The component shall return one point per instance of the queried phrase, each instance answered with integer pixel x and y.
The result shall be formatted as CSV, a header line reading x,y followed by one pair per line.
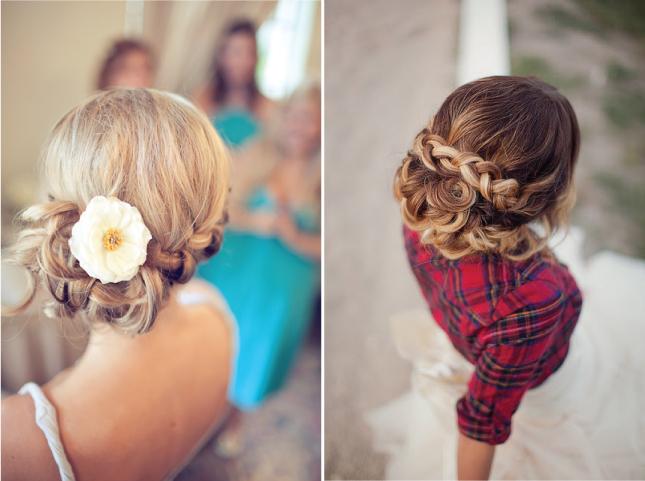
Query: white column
x,y
133,22
483,40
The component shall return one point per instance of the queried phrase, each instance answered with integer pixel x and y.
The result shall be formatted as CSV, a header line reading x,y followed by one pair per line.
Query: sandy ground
x,y
388,66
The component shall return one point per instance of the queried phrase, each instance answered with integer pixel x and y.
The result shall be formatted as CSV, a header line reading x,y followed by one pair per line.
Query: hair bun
x,y
43,248
460,201
498,154
153,151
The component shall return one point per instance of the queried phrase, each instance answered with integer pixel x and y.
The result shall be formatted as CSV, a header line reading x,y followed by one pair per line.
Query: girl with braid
x,y
138,181
514,379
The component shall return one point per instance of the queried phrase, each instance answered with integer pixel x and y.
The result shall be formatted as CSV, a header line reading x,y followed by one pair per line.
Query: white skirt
x,y
587,421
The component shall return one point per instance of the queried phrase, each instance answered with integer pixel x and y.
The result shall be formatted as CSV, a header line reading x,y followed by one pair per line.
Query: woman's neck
x,y
238,96
109,338
110,349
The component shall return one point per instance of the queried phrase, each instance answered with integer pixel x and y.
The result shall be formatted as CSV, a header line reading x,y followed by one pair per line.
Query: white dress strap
x,y
201,292
47,421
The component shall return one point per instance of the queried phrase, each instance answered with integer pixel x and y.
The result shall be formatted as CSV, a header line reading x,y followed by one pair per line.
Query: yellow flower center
x,y
112,239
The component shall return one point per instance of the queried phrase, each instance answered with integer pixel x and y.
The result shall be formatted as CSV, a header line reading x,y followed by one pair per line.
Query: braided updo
x,y
498,156
153,150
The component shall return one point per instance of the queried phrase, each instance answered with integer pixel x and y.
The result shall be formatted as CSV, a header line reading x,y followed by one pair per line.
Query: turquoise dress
x,y
236,126
270,290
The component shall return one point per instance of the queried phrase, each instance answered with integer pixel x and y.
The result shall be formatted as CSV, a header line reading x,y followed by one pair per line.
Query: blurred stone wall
x,y
388,66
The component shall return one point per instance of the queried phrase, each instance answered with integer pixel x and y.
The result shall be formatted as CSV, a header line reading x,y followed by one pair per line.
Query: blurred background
x,y
242,63
384,77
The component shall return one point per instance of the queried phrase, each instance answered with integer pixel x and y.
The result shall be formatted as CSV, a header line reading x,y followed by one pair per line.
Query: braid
x,y
462,203
152,150
179,265
498,155
43,248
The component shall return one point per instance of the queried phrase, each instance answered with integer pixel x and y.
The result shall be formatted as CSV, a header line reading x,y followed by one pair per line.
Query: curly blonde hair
x,y
151,149
498,156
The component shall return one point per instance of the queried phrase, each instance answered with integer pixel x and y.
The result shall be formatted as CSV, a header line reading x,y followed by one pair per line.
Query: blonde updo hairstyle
x,y
498,156
153,150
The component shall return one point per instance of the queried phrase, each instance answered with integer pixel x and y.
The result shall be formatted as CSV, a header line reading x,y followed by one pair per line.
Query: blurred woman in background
x,y
232,98
268,269
128,63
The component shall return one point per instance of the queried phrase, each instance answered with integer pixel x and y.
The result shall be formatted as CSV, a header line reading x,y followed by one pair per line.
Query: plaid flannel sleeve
x,y
517,340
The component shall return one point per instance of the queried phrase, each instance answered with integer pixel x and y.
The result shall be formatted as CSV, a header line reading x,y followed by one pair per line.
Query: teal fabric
x,y
236,126
270,290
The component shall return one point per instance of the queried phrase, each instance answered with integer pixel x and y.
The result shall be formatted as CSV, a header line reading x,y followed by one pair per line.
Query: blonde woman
x,y
269,266
137,187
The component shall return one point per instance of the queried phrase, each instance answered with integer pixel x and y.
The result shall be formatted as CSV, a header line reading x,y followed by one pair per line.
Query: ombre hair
x,y
153,150
493,170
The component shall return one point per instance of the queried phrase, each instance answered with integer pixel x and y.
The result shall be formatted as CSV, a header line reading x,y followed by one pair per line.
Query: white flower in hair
x,y
110,240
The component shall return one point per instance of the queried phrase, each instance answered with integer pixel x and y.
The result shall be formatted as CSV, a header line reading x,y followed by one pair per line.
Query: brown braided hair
x,y
498,155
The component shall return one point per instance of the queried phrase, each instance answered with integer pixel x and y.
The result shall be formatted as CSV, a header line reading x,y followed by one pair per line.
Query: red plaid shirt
x,y
511,320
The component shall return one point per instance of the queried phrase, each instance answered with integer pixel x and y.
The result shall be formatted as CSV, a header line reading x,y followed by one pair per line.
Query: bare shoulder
x,y
159,393
25,454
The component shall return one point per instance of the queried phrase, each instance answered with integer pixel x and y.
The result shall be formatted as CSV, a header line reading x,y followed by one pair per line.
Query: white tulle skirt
x,y
587,421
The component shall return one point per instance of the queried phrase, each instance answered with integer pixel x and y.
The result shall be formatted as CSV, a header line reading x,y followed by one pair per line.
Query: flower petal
x,y
86,243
